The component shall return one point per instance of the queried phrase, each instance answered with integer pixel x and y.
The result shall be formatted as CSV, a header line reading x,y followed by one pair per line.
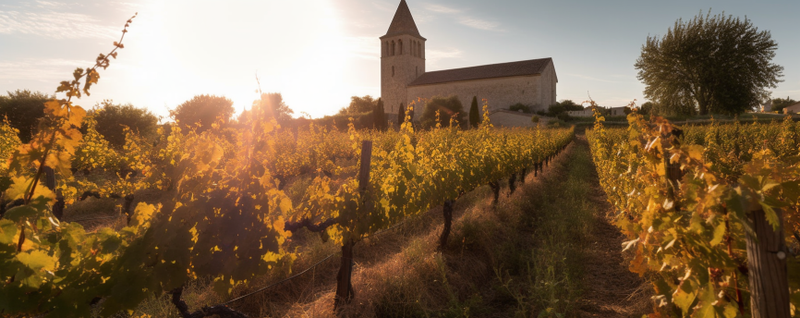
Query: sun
x,y
298,49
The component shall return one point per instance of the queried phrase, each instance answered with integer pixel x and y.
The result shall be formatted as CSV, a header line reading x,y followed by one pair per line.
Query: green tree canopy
x,y
380,121
359,105
563,107
448,107
401,114
779,103
112,117
23,109
274,105
716,64
474,113
203,110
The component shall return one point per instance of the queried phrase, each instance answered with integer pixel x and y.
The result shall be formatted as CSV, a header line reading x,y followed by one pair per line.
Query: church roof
x,y
403,23
520,68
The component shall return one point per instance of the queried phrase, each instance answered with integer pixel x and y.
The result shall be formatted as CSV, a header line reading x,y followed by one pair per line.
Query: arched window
x,y
400,42
392,48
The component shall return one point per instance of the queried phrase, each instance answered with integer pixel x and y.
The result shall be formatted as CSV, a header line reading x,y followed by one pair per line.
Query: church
x,y
404,79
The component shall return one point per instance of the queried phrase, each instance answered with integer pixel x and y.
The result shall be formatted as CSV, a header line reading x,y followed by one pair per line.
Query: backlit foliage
x,y
692,236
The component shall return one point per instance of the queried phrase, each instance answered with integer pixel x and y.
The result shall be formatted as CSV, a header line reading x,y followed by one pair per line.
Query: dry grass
x,y
545,251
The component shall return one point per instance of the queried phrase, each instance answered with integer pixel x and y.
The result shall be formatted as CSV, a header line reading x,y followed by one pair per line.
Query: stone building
x,y
404,79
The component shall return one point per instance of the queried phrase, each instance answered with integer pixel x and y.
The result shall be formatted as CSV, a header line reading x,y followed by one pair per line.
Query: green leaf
x,y
684,300
20,213
730,311
707,298
7,231
36,260
771,216
719,234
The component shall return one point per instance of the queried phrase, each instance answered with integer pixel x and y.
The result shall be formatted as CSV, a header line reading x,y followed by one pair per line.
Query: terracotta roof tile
x,y
520,68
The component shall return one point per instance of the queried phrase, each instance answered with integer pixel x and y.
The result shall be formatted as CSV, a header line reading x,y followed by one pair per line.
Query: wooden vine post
x,y
447,210
766,266
50,182
344,286
766,252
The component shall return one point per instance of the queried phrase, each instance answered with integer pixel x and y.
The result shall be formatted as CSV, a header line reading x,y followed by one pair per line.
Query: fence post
x,y
50,182
766,264
344,286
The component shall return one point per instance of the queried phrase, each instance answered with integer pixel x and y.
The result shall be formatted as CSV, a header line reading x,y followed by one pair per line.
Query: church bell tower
x,y
402,59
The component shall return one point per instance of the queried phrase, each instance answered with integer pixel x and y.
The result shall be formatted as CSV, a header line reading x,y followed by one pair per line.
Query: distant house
x,y
618,111
792,109
766,107
586,112
508,118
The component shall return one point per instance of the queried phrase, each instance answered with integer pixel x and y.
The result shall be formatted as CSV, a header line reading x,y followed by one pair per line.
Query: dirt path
x,y
610,289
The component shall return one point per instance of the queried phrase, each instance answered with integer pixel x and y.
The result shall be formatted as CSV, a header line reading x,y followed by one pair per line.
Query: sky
x,y
319,53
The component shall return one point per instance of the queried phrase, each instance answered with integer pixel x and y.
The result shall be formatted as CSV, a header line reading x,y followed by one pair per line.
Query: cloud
x,y
480,24
45,70
54,24
465,19
441,9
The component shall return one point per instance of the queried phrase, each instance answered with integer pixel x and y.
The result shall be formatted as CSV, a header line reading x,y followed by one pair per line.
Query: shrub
x,y
23,109
112,117
359,105
556,123
474,113
520,106
203,110
401,114
379,121
449,107
534,119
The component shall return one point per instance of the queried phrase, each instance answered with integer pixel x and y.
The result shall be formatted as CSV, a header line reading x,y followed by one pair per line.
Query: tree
x,y
359,105
448,107
23,109
562,107
273,104
380,117
203,110
646,109
715,64
401,114
112,117
779,103
474,113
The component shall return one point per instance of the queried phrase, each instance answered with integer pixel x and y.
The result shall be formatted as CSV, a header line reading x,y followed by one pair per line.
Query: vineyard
x,y
233,196
711,212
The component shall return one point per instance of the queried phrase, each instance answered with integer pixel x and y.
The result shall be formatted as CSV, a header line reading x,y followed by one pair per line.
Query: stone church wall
x,y
500,93
548,80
